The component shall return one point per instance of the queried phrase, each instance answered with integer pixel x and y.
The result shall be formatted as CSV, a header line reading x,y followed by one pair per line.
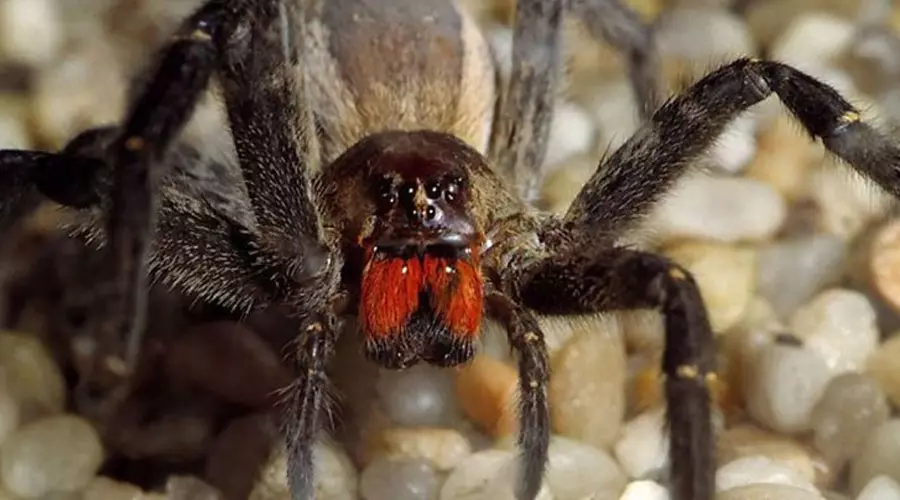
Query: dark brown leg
x,y
526,337
618,279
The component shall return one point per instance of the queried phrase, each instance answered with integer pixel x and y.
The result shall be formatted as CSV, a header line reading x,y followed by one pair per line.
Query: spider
x,y
368,178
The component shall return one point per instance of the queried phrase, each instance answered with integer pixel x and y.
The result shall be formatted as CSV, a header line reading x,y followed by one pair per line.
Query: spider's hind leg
x,y
579,282
615,22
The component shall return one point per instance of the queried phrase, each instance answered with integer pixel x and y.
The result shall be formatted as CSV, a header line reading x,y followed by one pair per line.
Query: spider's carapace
x,y
421,288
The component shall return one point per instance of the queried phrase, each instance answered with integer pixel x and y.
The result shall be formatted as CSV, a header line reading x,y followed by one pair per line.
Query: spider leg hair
x,y
579,282
521,128
527,339
615,22
629,182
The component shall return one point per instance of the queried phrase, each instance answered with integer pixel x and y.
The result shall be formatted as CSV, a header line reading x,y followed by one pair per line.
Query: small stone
x,y
748,441
335,475
32,377
813,39
190,488
9,410
238,453
577,470
758,470
840,326
571,133
768,492
55,454
884,263
31,31
725,210
104,488
884,368
419,396
792,270
880,454
783,157
880,488
850,408
386,479
847,202
442,449
13,129
229,360
643,449
644,490
726,276
615,113
703,34
486,475
587,389
487,391
782,386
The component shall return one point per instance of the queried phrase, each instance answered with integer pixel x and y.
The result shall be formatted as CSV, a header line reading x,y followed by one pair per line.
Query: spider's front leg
x,y
576,281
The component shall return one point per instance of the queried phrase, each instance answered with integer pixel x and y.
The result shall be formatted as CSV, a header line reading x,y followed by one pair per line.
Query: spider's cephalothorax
x,y
366,173
406,206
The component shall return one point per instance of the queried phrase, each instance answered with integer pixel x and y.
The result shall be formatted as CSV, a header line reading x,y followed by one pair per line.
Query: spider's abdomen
x,y
379,65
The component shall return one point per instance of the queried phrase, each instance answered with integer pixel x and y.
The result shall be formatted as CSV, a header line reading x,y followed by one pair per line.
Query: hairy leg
x,y
270,120
522,125
634,177
574,282
616,23
526,337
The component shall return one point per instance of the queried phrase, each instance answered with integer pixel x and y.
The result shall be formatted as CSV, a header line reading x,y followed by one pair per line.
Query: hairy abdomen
x,y
376,65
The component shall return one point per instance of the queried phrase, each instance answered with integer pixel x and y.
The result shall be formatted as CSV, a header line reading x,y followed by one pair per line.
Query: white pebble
x,y
768,492
9,410
813,39
758,470
791,271
644,490
852,406
840,326
444,449
880,454
736,146
643,449
335,475
704,35
783,384
720,209
576,470
486,475
419,396
386,479
32,376
30,31
880,488
571,133
615,113
55,454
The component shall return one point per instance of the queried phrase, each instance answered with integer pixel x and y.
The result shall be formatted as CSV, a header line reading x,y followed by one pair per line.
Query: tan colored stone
x,y
486,389
444,449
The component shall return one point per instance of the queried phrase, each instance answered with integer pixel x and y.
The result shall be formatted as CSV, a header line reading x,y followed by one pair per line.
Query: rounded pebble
x,y
747,441
443,449
644,490
884,368
577,470
783,384
420,396
335,475
880,488
55,454
32,376
486,475
726,276
768,492
850,408
31,31
726,210
587,389
487,391
880,454
758,470
386,479
643,449
840,326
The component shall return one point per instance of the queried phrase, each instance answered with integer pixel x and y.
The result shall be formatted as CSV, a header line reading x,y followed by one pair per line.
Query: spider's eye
x,y
386,193
454,186
433,190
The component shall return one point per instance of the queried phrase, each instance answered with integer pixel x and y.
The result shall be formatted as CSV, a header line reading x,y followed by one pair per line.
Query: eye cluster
x,y
390,191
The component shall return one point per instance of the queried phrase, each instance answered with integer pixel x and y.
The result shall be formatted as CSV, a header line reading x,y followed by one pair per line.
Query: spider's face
x,y
421,287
